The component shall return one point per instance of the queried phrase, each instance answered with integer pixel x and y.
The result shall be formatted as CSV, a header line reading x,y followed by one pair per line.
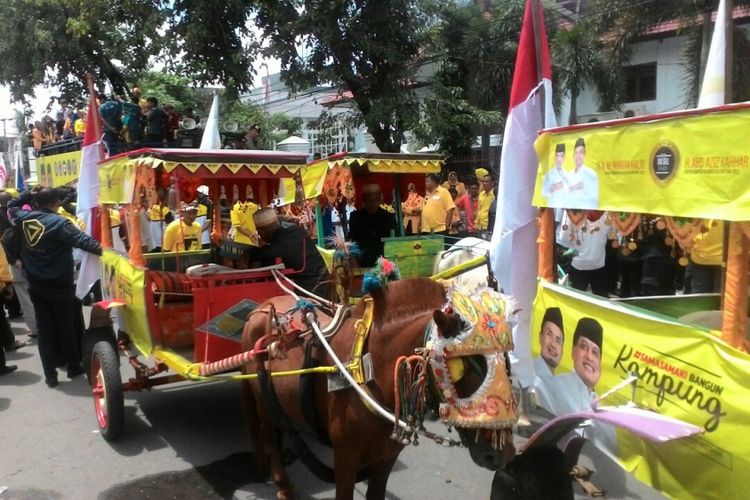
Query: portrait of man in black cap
x,y
583,189
555,183
551,339
587,351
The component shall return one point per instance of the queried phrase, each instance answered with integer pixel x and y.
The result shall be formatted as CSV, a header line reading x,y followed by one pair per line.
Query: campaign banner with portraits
x,y
58,170
584,345
693,163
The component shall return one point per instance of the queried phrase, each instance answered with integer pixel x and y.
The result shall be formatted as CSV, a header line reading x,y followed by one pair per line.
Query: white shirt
x,y
558,197
593,244
583,189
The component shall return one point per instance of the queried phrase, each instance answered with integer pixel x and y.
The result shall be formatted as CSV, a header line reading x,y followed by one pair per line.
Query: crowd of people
x,y
128,123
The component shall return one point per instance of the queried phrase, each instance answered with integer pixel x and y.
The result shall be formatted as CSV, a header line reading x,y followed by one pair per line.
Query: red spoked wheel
x,y
106,388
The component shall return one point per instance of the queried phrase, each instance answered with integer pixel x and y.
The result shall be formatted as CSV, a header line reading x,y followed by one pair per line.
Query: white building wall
x,y
670,82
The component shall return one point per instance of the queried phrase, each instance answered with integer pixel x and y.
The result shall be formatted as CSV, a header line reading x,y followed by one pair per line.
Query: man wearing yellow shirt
x,y
243,227
437,213
483,204
183,234
703,273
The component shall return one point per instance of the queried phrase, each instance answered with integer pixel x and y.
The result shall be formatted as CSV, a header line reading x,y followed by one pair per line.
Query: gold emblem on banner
x,y
665,159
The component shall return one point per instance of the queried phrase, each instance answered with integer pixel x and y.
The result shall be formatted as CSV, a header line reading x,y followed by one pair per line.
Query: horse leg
x,y
253,422
346,464
379,474
272,436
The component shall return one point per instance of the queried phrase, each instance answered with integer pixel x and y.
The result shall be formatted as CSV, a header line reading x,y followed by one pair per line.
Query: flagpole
x,y
546,264
538,49
92,93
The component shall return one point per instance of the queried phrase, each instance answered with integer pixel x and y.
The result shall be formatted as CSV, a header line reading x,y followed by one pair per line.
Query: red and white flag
x,y
88,194
514,252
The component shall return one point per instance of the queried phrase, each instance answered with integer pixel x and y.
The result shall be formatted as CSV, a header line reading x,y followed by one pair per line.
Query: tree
x,y
370,47
212,42
580,60
622,23
56,42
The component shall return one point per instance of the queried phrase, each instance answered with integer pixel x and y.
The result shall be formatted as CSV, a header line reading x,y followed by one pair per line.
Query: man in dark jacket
x,y
370,224
47,257
294,247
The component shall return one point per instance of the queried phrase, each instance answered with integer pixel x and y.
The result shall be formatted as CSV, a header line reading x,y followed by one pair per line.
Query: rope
x,y
278,275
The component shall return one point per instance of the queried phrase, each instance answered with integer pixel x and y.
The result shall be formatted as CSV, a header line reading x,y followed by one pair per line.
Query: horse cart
x,y
348,173
660,188
180,310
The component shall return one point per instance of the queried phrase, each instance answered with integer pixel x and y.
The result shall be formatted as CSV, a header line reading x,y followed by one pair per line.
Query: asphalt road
x,y
188,441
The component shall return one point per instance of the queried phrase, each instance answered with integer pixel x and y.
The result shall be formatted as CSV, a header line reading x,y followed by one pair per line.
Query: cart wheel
x,y
90,338
109,401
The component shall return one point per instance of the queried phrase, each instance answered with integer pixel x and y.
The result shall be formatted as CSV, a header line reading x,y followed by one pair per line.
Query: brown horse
x,y
358,437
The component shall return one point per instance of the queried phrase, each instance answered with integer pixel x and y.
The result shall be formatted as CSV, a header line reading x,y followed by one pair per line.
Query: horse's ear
x,y
441,320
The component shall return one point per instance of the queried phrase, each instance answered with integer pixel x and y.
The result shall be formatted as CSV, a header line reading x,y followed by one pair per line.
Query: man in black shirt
x,y
47,257
294,247
156,123
368,225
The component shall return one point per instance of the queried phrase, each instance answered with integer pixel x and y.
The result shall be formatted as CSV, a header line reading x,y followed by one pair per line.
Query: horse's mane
x,y
405,300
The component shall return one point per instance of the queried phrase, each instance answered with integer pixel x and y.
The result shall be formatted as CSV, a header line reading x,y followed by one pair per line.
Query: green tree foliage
x,y
622,23
168,89
580,60
56,42
370,47
211,42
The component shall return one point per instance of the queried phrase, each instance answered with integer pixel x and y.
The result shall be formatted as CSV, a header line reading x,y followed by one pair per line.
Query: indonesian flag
x,y
712,89
88,195
513,254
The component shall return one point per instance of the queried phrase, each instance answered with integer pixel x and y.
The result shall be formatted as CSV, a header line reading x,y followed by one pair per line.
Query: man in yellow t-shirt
x,y
437,213
703,273
183,234
483,204
243,226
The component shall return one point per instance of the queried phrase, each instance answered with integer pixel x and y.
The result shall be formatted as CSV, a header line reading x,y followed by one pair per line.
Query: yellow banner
x,y
116,181
313,176
689,165
58,170
584,346
123,281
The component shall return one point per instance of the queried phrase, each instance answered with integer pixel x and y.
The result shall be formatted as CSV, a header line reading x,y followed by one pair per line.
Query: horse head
x,y
466,346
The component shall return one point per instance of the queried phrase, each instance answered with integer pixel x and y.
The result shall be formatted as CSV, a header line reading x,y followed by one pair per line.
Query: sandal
x,y
15,345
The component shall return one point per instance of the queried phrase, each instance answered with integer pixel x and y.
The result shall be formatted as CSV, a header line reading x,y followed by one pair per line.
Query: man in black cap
x,y
293,246
587,351
551,339
369,224
583,189
555,184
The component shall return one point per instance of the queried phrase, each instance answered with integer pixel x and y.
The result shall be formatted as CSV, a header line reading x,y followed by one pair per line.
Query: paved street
x,y
187,441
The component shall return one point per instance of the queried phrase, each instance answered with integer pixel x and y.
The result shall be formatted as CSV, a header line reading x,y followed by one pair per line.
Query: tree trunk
x,y
573,117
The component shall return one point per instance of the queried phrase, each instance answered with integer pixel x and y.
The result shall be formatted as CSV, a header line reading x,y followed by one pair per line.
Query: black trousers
x,y
596,278
55,309
6,335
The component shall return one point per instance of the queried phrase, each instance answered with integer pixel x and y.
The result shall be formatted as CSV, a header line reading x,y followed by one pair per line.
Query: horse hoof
x,y
284,495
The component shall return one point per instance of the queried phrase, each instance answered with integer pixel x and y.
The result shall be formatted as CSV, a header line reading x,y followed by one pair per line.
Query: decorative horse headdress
x,y
484,320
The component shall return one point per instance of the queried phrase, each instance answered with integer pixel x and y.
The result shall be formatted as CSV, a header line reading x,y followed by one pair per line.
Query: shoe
x,y
6,369
75,370
15,345
51,382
